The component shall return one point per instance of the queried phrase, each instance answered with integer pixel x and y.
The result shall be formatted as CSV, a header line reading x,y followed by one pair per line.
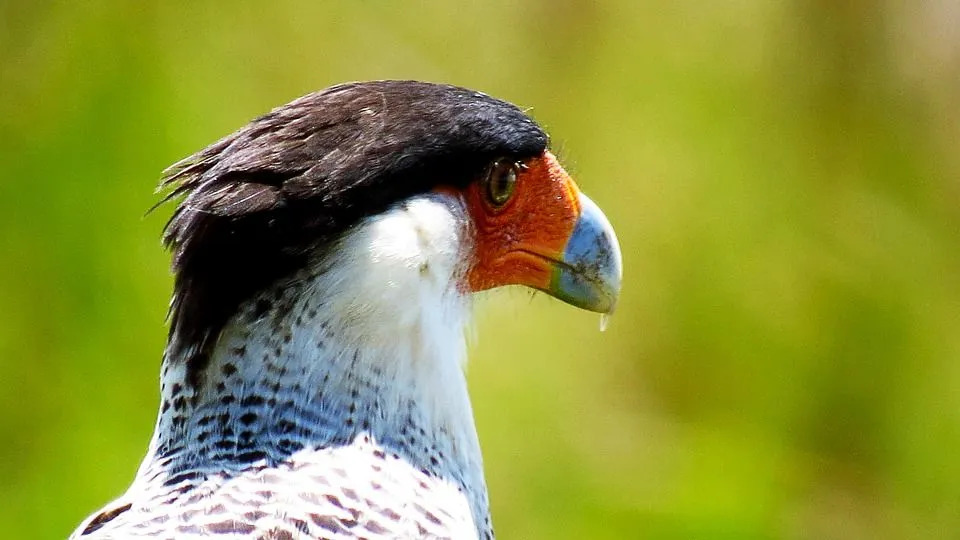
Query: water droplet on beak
x,y
604,321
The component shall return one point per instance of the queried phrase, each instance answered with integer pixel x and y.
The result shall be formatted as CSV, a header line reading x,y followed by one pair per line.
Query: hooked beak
x,y
589,273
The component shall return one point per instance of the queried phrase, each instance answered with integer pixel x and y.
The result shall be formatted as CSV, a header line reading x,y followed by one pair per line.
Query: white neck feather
x,y
369,340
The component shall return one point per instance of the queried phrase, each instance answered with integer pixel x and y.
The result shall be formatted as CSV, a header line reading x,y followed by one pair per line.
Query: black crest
x,y
257,202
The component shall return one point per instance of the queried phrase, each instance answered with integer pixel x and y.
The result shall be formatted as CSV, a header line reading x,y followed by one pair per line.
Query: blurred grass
x,y
783,177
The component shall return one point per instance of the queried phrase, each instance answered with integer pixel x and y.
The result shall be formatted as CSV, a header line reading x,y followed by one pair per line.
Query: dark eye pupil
x,y
503,179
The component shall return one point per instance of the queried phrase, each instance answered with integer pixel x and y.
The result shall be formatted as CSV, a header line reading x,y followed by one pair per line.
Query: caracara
x,y
325,256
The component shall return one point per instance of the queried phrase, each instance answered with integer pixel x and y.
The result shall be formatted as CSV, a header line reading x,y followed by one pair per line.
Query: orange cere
x,y
520,242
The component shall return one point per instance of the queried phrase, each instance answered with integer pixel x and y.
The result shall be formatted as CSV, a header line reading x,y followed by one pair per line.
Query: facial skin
x,y
534,227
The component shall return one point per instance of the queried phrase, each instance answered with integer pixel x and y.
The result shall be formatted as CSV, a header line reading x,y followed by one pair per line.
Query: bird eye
x,y
501,182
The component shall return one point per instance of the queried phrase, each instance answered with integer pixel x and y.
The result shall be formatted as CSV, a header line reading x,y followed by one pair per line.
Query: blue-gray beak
x,y
590,272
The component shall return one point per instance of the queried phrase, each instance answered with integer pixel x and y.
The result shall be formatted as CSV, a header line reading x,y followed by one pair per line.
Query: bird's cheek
x,y
500,266
521,243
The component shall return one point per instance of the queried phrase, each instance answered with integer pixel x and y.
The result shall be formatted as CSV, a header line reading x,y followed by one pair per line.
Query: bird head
x,y
477,191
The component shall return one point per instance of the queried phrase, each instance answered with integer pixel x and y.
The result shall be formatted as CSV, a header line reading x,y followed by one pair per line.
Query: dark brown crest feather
x,y
256,203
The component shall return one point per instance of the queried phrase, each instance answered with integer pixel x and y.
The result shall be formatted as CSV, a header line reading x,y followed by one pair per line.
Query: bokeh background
x,y
784,176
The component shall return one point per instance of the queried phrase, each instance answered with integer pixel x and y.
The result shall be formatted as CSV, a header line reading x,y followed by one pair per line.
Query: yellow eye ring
x,y
501,182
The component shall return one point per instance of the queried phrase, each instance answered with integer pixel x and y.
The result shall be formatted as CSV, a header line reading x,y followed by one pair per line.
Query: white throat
x,y
368,342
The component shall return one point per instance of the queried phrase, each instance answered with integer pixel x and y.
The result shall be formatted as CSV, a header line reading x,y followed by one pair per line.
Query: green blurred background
x,y
784,177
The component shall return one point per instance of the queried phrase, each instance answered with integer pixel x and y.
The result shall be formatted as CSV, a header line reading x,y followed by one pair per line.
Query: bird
x,y
324,259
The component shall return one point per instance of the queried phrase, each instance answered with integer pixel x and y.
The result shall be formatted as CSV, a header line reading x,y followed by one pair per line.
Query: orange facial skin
x,y
520,242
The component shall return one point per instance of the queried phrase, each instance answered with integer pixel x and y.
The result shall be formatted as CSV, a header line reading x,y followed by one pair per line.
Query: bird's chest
x,y
356,490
